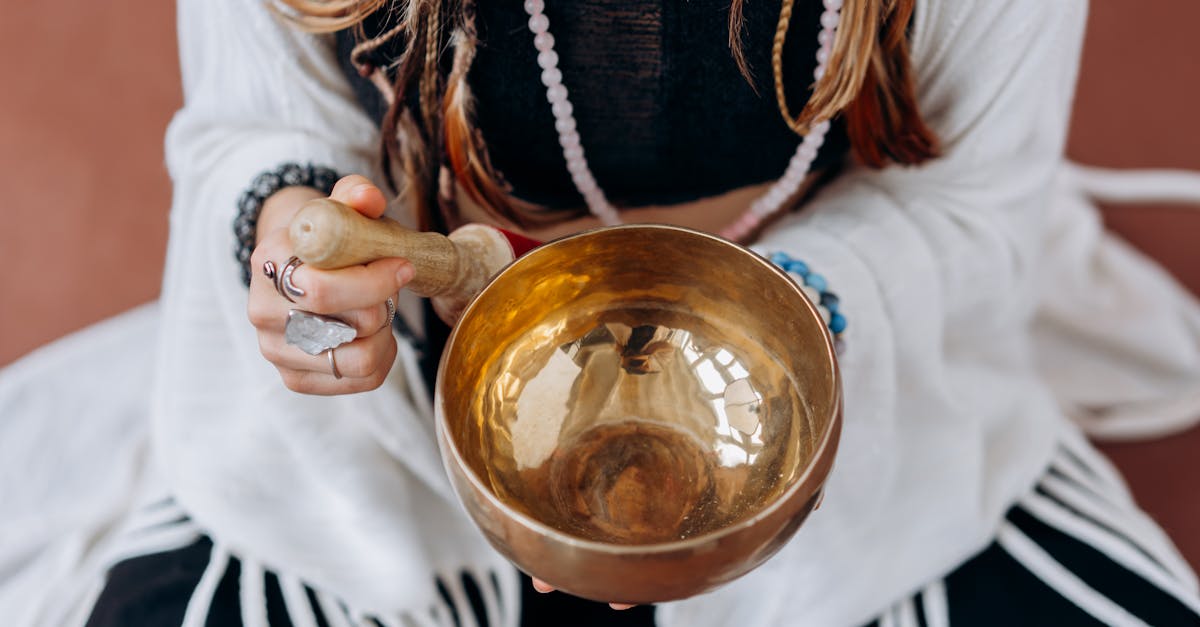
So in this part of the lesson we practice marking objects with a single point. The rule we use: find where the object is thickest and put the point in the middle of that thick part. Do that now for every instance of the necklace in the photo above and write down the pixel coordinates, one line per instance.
(581, 174)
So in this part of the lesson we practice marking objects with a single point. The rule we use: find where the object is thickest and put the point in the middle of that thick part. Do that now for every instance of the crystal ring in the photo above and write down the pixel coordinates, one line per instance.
(314, 333)
(391, 313)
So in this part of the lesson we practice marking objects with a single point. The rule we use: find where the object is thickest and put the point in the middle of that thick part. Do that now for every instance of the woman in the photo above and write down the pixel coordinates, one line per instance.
(933, 206)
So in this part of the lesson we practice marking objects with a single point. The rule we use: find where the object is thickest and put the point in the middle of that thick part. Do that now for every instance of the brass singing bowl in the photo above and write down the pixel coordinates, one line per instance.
(639, 413)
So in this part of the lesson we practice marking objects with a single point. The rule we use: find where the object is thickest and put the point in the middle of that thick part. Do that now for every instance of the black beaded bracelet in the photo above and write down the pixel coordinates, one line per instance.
(250, 204)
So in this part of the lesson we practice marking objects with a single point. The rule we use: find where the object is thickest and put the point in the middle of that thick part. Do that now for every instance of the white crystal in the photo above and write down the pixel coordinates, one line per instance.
(315, 334)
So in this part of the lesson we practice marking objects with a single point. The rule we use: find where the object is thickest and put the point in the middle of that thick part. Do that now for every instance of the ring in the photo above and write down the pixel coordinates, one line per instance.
(391, 313)
(283, 279)
(314, 333)
(333, 365)
(269, 270)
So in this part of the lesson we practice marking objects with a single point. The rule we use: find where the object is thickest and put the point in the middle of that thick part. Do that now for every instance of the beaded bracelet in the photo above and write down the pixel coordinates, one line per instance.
(817, 290)
(250, 204)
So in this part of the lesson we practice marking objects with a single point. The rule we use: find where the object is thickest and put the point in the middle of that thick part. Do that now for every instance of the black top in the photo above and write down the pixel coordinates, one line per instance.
(664, 114)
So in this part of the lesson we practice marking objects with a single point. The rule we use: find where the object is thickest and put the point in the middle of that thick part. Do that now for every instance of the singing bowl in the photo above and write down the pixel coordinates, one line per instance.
(639, 413)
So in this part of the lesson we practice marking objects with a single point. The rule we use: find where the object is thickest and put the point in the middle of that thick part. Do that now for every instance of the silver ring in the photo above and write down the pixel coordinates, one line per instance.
(391, 313)
(283, 279)
(269, 270)
(333, 364)
(314, 333)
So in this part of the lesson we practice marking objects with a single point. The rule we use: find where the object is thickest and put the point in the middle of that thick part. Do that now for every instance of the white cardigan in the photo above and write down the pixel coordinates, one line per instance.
(984, 301)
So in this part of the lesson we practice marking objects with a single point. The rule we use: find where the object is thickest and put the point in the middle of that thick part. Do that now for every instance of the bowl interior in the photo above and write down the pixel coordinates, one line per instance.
(638, 385)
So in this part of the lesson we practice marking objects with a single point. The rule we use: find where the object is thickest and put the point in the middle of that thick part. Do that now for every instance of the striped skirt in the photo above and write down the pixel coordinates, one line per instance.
(1074, 551)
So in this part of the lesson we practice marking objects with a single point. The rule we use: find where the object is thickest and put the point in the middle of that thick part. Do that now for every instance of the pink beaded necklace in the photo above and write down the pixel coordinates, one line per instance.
(581, 174)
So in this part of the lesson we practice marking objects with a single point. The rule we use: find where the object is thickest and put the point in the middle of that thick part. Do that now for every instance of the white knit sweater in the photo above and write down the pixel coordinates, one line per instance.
(985, 305)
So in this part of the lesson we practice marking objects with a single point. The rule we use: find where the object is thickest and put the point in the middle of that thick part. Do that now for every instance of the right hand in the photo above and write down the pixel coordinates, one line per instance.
(356, 295)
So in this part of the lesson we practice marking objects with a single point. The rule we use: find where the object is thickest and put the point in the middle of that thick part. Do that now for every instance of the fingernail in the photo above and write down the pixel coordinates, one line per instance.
(405, 274)
(359, 189)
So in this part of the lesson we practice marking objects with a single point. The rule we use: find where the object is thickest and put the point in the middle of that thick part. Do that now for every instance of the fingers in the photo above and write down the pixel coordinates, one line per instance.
(361, 194)
(363, 365)
(271, 315)
(354, 295)
(358, 359)
(544, 588)
(332, 291)
(348, 289)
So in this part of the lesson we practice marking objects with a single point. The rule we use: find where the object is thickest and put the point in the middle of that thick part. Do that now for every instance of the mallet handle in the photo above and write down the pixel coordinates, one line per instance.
(327, 234)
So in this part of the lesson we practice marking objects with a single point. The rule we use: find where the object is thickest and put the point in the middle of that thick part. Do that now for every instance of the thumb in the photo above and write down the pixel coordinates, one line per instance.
(361, 194)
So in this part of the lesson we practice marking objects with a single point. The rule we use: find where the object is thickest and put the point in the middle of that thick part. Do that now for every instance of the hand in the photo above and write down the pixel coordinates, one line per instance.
(355, 295)
(544, 587)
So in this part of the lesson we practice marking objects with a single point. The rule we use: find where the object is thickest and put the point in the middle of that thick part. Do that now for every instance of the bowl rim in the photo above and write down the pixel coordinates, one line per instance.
(826, 444)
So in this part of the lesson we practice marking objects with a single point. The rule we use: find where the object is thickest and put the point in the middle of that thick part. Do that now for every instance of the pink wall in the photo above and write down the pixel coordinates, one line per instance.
(88, 90)
(1137, 106)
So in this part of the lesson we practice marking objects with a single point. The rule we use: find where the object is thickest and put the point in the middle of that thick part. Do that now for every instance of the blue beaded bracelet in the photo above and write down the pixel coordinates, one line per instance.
(817, 289)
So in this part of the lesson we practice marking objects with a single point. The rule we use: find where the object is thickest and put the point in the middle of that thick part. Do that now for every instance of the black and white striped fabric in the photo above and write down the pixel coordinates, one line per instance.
(1075, 551)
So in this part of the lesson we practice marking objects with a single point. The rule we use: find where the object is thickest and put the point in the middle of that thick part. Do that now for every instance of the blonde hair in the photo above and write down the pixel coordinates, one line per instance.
(870, 82)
